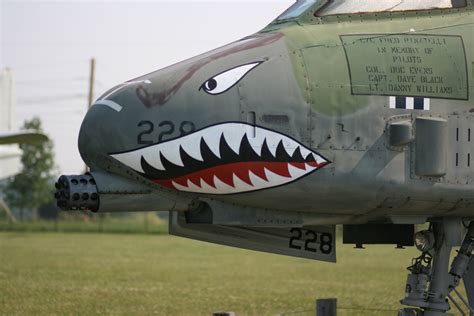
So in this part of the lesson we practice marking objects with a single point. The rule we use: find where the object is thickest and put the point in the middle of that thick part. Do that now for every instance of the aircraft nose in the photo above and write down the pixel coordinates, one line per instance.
(104, 131)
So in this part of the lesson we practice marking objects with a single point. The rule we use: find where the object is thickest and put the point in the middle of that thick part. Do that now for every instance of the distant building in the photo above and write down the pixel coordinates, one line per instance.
(10, 163)
(7, 100)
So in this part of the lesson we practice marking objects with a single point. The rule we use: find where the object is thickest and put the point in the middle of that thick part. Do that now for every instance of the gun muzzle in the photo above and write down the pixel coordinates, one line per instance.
(77, 193)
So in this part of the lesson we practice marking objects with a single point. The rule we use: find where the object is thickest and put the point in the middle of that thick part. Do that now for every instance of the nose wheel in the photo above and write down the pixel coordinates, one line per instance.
(430, 287)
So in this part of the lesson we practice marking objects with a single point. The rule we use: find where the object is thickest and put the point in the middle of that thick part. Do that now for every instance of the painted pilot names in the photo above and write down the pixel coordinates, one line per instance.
(407, 65)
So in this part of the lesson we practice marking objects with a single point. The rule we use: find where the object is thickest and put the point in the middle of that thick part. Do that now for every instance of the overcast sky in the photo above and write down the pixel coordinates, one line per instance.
(48, 45)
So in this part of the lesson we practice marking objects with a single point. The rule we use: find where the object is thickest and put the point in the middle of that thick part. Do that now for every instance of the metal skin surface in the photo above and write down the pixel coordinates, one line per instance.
(301, 88)
(269, 142)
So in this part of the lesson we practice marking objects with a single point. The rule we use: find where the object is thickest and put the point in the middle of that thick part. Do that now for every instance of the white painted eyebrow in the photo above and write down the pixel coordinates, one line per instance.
(111, 104)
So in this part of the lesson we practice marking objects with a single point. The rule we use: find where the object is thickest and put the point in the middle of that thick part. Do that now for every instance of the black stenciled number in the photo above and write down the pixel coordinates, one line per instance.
(294, 238)
(326, 243)
(149, 127)
(313, 239)
(186, 128)
(310, 239)
(167, 128)
(166, 132)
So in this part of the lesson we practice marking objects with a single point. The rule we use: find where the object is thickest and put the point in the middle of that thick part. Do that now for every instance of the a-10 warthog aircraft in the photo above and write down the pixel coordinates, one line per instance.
(354, 113)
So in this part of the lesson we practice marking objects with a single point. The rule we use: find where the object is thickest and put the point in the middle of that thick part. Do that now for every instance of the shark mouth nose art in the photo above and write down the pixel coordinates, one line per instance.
(224, 159)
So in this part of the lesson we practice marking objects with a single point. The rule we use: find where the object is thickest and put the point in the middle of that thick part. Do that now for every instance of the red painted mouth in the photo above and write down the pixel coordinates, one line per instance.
(242, 170)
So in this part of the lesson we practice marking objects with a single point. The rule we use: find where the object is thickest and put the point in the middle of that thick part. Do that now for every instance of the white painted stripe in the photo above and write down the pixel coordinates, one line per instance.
(111, 104)
(426, 104)
(392, 102)
(409, 103)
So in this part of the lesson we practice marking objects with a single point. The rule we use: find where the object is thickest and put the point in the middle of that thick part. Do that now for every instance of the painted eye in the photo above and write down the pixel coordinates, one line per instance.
(227, 79)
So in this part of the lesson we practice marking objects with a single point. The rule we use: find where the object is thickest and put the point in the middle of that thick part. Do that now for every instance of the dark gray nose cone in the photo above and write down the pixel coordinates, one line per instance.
(105, 131)
(93, 135)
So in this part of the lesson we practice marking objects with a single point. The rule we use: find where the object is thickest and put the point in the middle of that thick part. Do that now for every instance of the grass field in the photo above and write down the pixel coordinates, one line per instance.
(94, 223)
(128, 274)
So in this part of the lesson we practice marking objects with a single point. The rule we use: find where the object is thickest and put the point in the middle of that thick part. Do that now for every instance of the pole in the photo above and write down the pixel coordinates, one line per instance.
(8, 211)
(326, 307)
(91, 83)
(90, 98)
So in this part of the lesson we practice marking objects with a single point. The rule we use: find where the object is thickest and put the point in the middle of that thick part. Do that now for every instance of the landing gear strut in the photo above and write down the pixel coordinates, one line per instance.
(429, 285)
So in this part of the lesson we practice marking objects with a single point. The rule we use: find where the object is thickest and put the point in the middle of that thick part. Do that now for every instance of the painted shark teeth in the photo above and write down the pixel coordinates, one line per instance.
(224, 159)
(190, 146)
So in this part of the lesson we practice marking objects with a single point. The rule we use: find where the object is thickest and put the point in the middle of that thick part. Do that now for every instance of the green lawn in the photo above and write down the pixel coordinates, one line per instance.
(93, 223)
(118, 274)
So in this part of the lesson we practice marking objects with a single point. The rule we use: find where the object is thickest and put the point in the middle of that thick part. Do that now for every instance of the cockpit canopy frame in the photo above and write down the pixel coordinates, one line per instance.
(315, 11)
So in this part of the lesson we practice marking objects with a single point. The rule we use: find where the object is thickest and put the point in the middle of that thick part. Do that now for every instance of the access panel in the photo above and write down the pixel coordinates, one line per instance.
(311, 242)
